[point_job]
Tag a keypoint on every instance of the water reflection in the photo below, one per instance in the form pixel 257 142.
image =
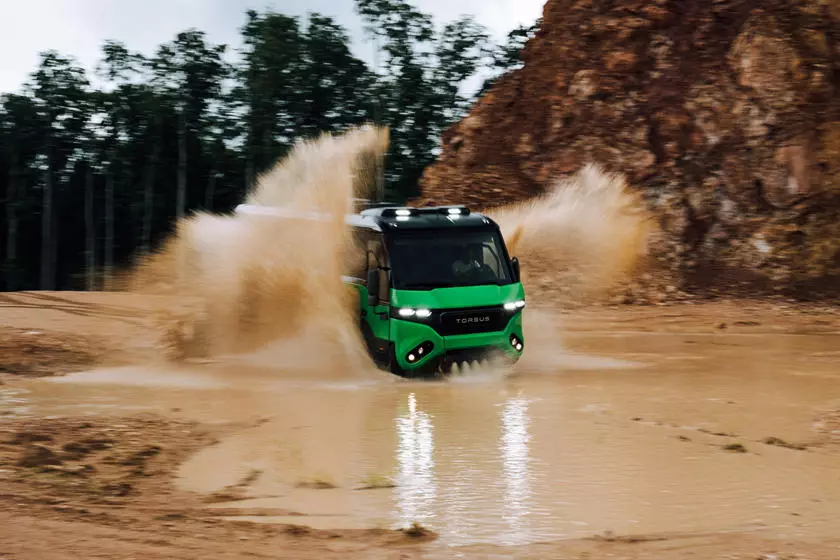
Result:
pixel 416 491
pixel 513 444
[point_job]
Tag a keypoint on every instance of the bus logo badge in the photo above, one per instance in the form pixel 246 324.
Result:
pixel 467 320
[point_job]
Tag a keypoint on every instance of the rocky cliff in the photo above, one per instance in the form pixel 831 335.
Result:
pixel 725 114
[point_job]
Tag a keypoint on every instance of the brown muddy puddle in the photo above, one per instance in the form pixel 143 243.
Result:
pixel 627 434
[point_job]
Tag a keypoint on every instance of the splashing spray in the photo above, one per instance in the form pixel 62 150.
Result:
pixel 583 236
pixel 254 280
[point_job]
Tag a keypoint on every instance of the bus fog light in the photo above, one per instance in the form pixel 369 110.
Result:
pixel 419 352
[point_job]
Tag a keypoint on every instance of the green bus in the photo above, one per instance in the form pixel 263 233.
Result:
pixel 436 288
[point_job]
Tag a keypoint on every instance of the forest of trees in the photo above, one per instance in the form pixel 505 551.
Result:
pixel 91 176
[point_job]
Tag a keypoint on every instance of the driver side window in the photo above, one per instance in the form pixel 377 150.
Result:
pixel 375 260
pixel 491 260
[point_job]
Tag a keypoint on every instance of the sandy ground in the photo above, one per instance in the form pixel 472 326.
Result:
pixel 97 488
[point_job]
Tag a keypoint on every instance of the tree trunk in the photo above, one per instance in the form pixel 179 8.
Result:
pixel 250 144
pixel 149 197
pixel 182 164
pixel 210 194
pixel 249 170
pixel 267 148
pixel 90 231
pixel 12 226
pixel 109 227
pixel 47 276
pixel 182 184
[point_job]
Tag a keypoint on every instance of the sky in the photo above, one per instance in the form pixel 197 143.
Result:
pixel 78 28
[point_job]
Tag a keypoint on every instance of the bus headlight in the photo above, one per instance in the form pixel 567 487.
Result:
pixel 514 305
pixel 419 313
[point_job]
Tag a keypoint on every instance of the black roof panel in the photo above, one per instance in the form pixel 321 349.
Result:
pixel 427 218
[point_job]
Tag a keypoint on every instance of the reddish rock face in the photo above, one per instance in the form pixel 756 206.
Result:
pixel 725 113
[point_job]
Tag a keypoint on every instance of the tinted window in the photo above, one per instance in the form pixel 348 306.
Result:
pixel 426 260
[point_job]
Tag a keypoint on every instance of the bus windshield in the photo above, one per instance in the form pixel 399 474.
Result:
pixel 424 260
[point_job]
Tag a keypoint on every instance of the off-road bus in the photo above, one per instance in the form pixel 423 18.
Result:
pixel 436 288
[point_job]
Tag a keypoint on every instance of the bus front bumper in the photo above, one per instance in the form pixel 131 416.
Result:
pixel 413 339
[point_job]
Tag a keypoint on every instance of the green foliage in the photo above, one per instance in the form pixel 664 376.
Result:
pixel 91 176
pixel 508 56
pixel 419 91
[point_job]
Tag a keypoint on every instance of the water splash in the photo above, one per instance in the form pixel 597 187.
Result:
pixel 249 281
pixel 579 239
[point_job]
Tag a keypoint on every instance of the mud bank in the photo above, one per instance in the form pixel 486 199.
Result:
pixel 35 354
pixel 82 487
pixel 55 333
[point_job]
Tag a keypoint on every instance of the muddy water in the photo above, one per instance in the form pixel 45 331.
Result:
pixel 618 431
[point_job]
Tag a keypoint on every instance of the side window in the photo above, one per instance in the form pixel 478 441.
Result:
pixel 376 258
pixel 491 259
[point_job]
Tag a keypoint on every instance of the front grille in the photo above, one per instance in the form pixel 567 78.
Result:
pixel 472 321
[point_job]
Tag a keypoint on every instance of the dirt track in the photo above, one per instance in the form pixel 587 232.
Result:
pixel 83 487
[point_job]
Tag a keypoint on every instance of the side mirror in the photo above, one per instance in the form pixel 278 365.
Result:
pixel 514 263
pixel 373 286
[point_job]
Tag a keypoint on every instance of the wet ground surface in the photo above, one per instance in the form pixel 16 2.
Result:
pixel 667 424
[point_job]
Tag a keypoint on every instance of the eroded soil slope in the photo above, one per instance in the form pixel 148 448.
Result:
pixel 724 113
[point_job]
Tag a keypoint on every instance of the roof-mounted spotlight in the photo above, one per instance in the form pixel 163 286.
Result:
pixel 404 212
pixel 456 210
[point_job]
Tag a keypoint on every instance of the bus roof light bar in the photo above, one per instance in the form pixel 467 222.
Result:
pixel 400 212
pixel 457 210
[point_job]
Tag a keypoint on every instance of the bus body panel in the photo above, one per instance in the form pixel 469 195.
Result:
pixel 373 322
